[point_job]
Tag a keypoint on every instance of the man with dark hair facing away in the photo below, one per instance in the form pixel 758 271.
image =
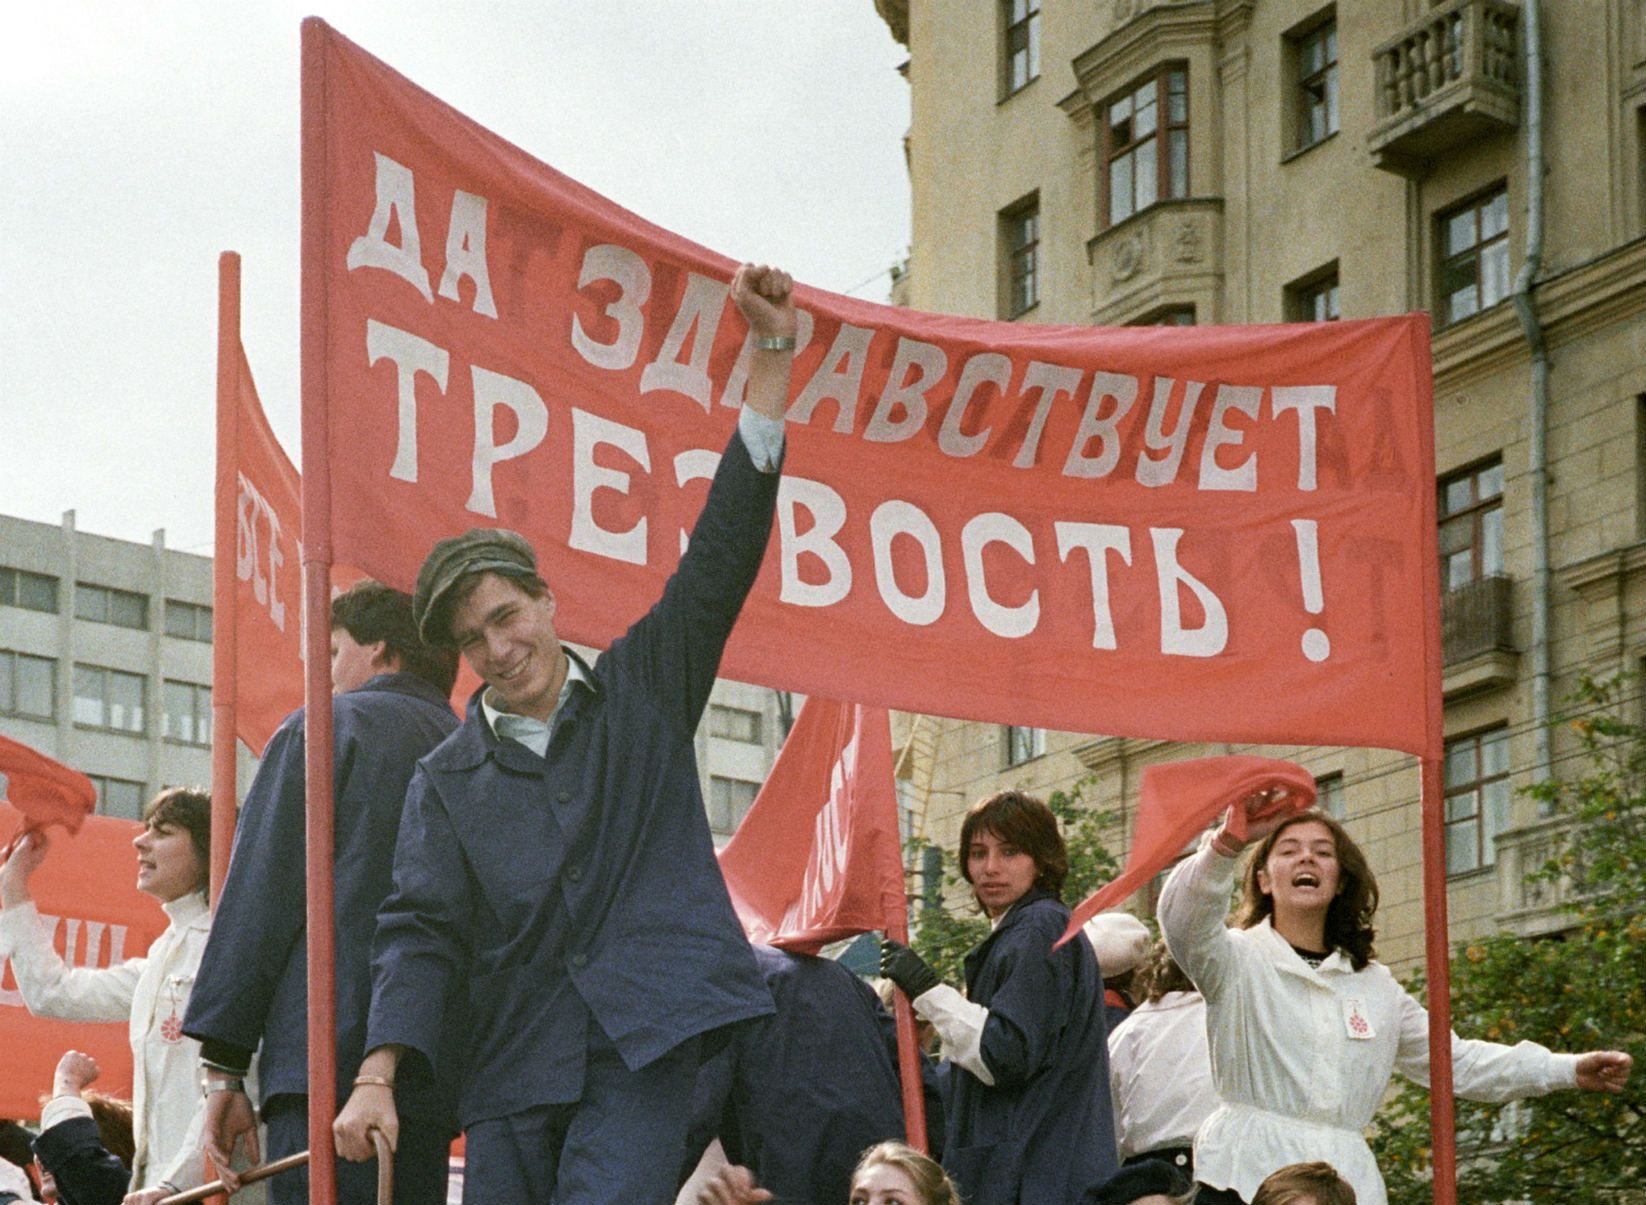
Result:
pixel 391 707
pixel 555 888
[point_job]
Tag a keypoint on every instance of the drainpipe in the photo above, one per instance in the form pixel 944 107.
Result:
pixel 1538 417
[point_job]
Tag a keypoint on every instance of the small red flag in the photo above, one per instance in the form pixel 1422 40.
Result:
pixel 44 791
pixel 818 858
pixel 1178 800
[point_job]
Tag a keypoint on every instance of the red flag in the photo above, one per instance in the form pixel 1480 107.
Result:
pixel 43 790
pixel 818 857
pixel 1177 801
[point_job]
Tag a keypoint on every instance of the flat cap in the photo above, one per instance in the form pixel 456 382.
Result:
pixel 1120 940
pixel 478 550
pixel 1145 1178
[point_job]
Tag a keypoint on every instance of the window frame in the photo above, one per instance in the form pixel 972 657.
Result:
pixel 722 728
pixel 1021 744
pixel 734 812
pixel 1476 516
pixel 1013 220
pixel 1323 283
pixel 1167 188
pixel 199 720
pixel 8 700
pixel 1446 262
pixel 194 611
pixel 140 728
pixel 1304 102
pixel 14 579
pixel 1484 844
pixel 1011 23
pixel 1330 794
pixel 103 781
pixel 110 596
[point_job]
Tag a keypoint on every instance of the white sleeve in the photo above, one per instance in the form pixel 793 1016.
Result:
pixel 763 437
pixel 959 1022
pixel 186 1168
pixel 1485 1071
pixel 60 1108
pixel 52 988
pixel 1193 906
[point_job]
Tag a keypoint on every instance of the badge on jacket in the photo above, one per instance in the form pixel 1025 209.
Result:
pixel 1355 1022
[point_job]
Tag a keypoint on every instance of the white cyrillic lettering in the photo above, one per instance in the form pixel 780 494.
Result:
pixel 928 362
pixel 1123 389
pixel 466 252
pixel 992 527
pixel 839 378
pixel 395 200
pixel 828 512
pixel 985 368
pixel 1050 382
pixel 250 508
pixel 491 390
pixel 1211 637
pixel 1163 470
pixel 1305 399
pixel 1098 540
pixel 410 355
pixel 607 261
pixel 895 518
pixel 1247 399
pixel 588 431
pixel 700 310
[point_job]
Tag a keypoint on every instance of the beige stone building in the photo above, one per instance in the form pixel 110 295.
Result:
pixel 1233 161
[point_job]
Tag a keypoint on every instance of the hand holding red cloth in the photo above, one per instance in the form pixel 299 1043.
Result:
pixel 45 791
pixel 1178 800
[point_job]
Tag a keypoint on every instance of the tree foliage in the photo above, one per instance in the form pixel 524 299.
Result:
pixel 1582 989
pixel 947 931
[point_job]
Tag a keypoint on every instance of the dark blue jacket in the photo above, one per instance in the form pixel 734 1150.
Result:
pixel 1043 1133
pixel 797 1096
pixel 531 894
pixel 253 979
pixel 87 1173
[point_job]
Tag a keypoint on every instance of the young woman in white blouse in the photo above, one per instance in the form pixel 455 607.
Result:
pixel 1305 1026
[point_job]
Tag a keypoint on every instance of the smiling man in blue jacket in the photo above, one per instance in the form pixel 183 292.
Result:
pixel 555 885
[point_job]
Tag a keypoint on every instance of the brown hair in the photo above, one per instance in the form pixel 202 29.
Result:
pixel 1318 1181
pixel 113 1118
pixel 930 1181
pixel 1161 974
pixel 1023 821
pixel 187 808
pixel 370 611
pixel 1350 915
pixel 531 585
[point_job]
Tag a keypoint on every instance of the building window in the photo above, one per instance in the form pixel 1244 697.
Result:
pixel 1022 59
pixel 188 621
pixel 1477 799
pixel 118 797
pixel 729 801
pixel 186 713
pixel 109 698
pixel 1471 525
pixel 1314 298
pixel 734 724
pixel 1315 61
pixel 1474 249
pixel 1329 795
pixel 1137 170
pixel 31 591
pixel 101 604
pixel 1172 315
pixel 1020 230
pixel 28 685
pixel 1024 744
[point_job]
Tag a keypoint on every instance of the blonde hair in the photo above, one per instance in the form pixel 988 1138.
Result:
pixel 929 1179
pixel 1316 1181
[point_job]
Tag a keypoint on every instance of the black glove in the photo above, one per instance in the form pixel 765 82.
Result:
pixel 906 969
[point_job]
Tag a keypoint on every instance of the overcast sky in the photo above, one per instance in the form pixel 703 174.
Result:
pixel 139 138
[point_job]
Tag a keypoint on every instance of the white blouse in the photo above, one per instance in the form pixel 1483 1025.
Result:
pixel 151 994
pixel 1301 1056
pixel 1161 1074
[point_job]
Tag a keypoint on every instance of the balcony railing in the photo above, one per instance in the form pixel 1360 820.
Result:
pixel 1451 77
pixel 1477 618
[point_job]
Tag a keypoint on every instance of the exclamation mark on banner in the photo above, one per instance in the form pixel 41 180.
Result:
pixel 1317 646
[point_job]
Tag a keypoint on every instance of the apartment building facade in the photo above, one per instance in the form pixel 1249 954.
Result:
pixel 1255 161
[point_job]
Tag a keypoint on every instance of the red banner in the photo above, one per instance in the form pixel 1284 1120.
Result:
pixel 819 856
pixel 1209 533
pixel 86 891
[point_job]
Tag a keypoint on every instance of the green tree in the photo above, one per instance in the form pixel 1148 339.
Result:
pixel 1582 989
pixel 945 932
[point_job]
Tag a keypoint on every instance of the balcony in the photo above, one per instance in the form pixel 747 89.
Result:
pixel 1526 906
pixel 1166 257
pixel 1448 79
pixel 1477 637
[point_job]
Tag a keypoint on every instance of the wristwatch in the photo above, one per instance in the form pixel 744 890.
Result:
pixel 218 1083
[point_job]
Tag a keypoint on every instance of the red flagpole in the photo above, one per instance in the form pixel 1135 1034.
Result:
pixel 317 555
pixel 225 787
pixel 896 905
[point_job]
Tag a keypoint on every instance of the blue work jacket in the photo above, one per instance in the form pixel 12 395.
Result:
pixel 253 980
pixel 535 895
pixel 796 1097
pixel 1043 1133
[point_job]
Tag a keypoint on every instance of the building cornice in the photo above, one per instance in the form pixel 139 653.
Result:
pixel 1144 42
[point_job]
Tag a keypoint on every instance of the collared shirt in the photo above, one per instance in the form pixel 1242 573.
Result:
pixel 530 732
pixel 1161 1073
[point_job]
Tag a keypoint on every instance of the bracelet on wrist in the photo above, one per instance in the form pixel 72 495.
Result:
pixel 376 1081
pixel 210 1084
pixel 774 342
